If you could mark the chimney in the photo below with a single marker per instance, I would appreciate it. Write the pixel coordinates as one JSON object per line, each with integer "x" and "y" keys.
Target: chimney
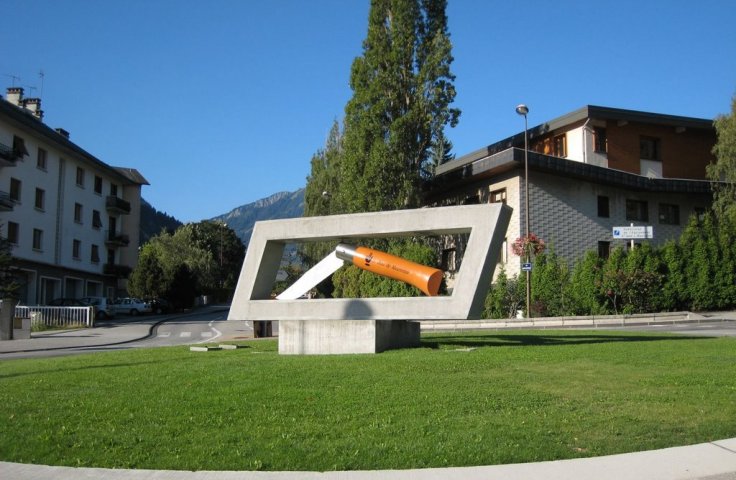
{"x": 33, "y": 105}
{"x": 15, "y": 96}
{"x": 63, "y": 133}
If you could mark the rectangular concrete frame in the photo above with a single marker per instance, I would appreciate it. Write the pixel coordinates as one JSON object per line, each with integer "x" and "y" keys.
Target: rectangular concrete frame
{"x": 487, "y": 226}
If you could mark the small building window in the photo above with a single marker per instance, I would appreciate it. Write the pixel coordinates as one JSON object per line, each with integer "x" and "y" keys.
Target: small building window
{"x": 604, "y": 249}
{"x": 637, "y": 210}
{"x": 559, "y": 145}
{"x": 76, "y": 248}
{"x": 95, "y": 256}
{"x": 96, "y": 219}
{"x": 78, "y": 212}
{"x": 113, "y": 190}
{"x": 41, "y": 162}
{"x": 19, "y": 147}
{"x": 448, "y": 260}
{"x": 37, "y": 239}
{"x": 669, "y": 214}
{"x": 13, "y": 233}
{"x": 80, "y": 177}
{"x": 40, "y": 199}
{"x": 649, "y": 148}
{"x": 699, "y": 213}
{"x": 600, "y": 140}
{"x": 471, "y": 200}
{"x": 604, "y": 209}
{"x": 15, "y": 189}
{"x": 498, "y": 196}
{"x": 98, "y": 184}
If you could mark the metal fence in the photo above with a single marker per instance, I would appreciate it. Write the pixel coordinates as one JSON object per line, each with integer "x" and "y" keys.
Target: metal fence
{"x": 58, "y": 316}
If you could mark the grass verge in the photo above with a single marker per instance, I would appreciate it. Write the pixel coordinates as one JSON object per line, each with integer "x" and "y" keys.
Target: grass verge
{"x": 468, "y": 399}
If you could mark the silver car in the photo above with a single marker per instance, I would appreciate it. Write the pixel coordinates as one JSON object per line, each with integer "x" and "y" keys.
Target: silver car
{"x": 131, "y": 306}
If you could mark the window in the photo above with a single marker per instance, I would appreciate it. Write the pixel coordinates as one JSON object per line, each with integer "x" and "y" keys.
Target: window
{"x": 113, "y": 190}
{"x": 448, "y": 260}
{"x": 637, "y": 210}
{"x": 95, "y": 256}
{"x": 98, "y": 184}
{"x": 604, "y": 249}
{"x": 78, "y": 212}
{"x": 76, "y": 248}
{"x": 503, "y": 255}
{"x": 604, "y": 209}
{"x": 37, "y": 239}
{"x": 472, "y": 200}
{"x": 600, "y": 140}
{"x": 80, "y": 177}
{"x": 96, "y": 219}
{"x": 41, "y": 159}
{"x": 699, "y": 213}
{"x": 498, "y": 196}
{"x": 559, "y": 145}
{"x": 669, "y": 214}
{"x": 15, "y": 185}
{"x": 13, "y": 233}
{"x": 649, "y": 148}
{"x": 19, "y": 147}
{"x": 40, "y": 199}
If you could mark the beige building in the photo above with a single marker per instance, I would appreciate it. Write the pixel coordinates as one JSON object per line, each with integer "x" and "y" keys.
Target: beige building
{"x": 589, "y": 171}
{"x": 73, "y": 221}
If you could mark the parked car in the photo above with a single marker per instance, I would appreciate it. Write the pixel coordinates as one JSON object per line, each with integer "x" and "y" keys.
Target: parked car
{"x": 66, "y": 302}
{"x": 160, "y": 305}
{"x": 103, "y": 306}
{"x": 132, "y": 306}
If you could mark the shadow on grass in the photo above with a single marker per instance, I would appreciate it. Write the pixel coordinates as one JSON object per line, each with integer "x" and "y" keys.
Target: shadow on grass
{"x": 75, "y": 369}
{"x": 523, "y": 340}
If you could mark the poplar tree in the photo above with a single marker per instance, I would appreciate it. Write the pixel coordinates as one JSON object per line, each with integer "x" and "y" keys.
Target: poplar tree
{"x": 402, "y": 91}
{"x": 724, "y": 169}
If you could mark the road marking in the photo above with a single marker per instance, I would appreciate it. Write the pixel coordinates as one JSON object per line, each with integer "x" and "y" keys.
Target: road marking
{"x": 164, "y": 335}
{"x": 185, "y": 334}
{"x": 206, "y": 334}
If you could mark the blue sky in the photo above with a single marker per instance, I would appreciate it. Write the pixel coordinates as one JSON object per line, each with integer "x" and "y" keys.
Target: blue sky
{"x": 223, "y": 102}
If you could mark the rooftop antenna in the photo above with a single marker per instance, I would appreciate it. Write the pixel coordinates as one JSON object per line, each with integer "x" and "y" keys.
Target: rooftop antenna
{"x": 41, "y": 75}
{"x": 13, "y": 79}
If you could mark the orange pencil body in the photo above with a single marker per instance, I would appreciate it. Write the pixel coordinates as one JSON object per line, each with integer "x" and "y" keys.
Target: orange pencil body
{"x": 426, "y": 279}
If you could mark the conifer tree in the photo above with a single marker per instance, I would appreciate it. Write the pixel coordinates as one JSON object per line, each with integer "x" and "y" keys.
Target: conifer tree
{"x": 724, "y": 169}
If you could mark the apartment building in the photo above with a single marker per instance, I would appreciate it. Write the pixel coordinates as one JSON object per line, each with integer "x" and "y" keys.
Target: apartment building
{"x": 73, "y": 221}
{"x": 589, "y": 171}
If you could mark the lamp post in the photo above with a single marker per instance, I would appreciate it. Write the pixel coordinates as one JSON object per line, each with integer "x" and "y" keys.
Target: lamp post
{"x": 523, "y": 110}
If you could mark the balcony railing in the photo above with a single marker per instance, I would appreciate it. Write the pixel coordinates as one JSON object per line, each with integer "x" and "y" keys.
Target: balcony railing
{"x": 115, "y": 239}
{"x": 6, "y": 203}
{"x": 7, "y": 156}
{"x": 117, "y": 205}
{"x": 115, "y": 270}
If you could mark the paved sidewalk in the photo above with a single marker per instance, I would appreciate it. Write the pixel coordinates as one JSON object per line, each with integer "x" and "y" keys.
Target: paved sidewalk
{"x": 705, "y": 461}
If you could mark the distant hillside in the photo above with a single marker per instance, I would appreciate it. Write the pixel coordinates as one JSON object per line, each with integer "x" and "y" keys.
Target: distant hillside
{"x": 278, "y": 205}
{"x": 153, "y": 221}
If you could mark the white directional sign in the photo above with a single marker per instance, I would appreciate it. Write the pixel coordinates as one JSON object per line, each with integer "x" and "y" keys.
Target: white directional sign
{"x": 633, "y": 232}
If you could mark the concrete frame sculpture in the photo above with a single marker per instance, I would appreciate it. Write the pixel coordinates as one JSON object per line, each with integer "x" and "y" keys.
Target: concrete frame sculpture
{"x": 354, "y": 325}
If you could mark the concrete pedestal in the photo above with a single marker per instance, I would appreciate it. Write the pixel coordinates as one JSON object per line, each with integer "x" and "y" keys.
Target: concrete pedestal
{"x": 324, "y": 337}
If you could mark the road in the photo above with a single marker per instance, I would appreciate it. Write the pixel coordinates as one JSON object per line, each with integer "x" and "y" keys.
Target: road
{"x": 201, "y": 326}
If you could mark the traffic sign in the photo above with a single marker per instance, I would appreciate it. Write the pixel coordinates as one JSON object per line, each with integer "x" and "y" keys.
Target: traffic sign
{"x": 526, "y": 267}
{"x": 633, "y": 232}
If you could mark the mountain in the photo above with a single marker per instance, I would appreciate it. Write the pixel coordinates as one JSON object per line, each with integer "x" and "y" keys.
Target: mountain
{"x": 279, "y": 205}
{"x": 153, "y": 221}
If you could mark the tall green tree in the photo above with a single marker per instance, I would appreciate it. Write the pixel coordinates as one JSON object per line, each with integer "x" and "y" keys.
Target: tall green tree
{"x": 402, "y": 92}
{"x": 724, "y": 169}
{"x": 8, "y": 281}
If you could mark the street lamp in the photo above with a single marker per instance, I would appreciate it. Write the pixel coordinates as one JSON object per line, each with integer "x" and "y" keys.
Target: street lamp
{"x": 523, "y": 110}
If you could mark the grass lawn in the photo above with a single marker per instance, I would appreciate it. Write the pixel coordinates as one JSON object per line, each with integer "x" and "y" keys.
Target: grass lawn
{"x": 477, "y": 398}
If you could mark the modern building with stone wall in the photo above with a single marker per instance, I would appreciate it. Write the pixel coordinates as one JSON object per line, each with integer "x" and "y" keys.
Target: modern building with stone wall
{"x": 73, "y": 221}
{"x": 589, "y": 171}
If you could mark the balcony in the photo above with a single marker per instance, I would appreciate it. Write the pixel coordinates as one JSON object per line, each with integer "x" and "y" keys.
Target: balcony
{"x": 115, "y": 270}
{"x": 8, "y": 156}
{"x": 115, "y": 204}
{"x": 114, "y": 239}
{"x": 6, "y": 203}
